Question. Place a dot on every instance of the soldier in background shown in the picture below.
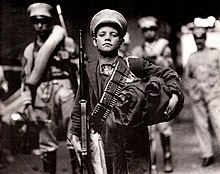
(156, 50)
(202, 74)
(47, 90)
(124, 48)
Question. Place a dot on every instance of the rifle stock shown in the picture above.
(84, 136)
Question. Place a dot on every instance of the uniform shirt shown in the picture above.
(58, 66)
(203, 74)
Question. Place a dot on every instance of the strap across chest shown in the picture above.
(109, 96)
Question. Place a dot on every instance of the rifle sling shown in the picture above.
(109, 97)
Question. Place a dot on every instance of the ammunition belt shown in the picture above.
(109, 97)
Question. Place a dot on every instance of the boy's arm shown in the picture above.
(76, 116)
(146, 70)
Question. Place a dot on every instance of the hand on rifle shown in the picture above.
(77, 146)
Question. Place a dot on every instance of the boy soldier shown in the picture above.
(47, 90)
(118, 131)
(157, 51)
(202, 76)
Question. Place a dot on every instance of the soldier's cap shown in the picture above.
(40, 9)
(147, 22)
(108, 17)
(199, 32)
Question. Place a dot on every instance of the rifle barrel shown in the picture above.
(61, 18)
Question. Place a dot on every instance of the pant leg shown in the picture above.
(202, 128)
(65, 100)
(214, 112)
(45, 110)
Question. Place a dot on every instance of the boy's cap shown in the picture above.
(40, 9)
(147, 22)
(108, 16)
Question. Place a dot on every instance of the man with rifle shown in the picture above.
(121, 95)
(47, 90)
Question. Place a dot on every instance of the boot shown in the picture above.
(49, 162)
(74, 162)
(165, 141)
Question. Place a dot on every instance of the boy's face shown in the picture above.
(107, 39)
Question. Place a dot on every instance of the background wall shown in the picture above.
(16, 31)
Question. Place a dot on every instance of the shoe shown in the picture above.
(208, 161)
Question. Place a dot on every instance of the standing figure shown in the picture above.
(157, 51)
(116, 105)
(48, 88)
(202, 74)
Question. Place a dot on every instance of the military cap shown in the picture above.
(39, 9)
(147, 22)
(108, 16)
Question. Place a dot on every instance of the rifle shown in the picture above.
(84, 142)
(61, 18)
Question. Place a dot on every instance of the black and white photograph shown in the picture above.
(109, 87)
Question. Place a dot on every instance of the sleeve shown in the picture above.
(27, 61)
(44, 53)
(75, 116)
(146, 70)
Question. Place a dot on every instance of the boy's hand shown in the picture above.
(172, 104)
(77, 146)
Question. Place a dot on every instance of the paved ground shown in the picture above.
(186, 156)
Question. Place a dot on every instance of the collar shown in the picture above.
(108, 67)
